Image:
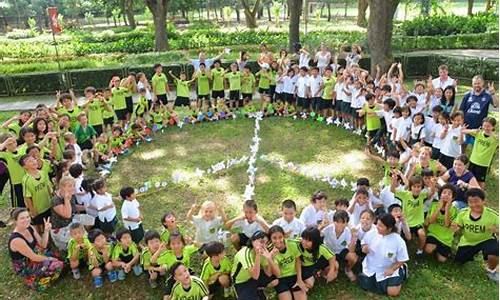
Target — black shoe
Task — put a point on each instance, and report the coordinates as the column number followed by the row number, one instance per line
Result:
column 2, row 224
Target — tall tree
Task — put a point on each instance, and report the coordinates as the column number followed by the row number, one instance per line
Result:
column 129, row 11
column 489, row 5
column 158, row 9
column 380, row 32
column 250, row 12
column 470, row 7
column 295, row 8
column 425, row 7
column 362, row 7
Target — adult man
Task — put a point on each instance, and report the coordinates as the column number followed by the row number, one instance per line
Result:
column 202, row 58
column 475, row 104
column 443, row 80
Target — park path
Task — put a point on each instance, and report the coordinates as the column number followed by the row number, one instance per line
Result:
column 14, row 103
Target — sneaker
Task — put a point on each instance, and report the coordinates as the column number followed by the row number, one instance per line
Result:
column 137, row 270
column 492, row 275
column 420, row 252
column 153, row 284
column 121, row 275
column 336, row 122
column 350, row 275
column 112, row 276
column 76, row 274
column 98, row 282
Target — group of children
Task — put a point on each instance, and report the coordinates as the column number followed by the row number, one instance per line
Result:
column 54, row 146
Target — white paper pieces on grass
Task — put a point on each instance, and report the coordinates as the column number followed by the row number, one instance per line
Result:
column 309, row 172
column 254, row 148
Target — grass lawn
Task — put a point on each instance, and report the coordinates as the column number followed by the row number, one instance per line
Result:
column 328, row 150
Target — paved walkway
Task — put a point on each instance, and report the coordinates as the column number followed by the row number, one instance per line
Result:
column 478, row 53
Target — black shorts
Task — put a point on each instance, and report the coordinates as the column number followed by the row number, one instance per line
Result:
column 303, row 102
column 414, row 229
column 249, row 290
column 354, row 113
column 38, row 220
column 315, row 101
column 278, row 96
column 109, row 121
column 162, row 99
column 435, row 153
column 234, row 95
column 247, row 96
column 87, row 145
column 107, row 226
column 338, row 105
column 325, row 104
column 441, row 248
column 263, row 91
column 346, row 108
column 478, row 171
column 446, row 161
column 218, row 94
column 130, row 104
column 98, row 129
column 380, row 287
column 204, row 97
column 310, row 271
column 181, row 101
column 286, row 284
column 467, row 253
column 340, row 257
column 243, row 239
column 272, row 90
column 372, row 133
column 137, row 234
column 289, row 98
column 121, row 114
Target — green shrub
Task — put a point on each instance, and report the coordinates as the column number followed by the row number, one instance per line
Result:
column 18, row 34
column 463, row 41
column 37, row 83
column 450, row 24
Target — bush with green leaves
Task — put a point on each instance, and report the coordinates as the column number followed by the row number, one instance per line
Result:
column 443, row 25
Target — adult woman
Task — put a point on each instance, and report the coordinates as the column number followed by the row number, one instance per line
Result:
column 284, row 60
column 28, row 255
column 253, row 267
column 354, row 56
column 242, row 61
column 322, row 58
column 425, row 162
column 143, row 83
column 63, row 209
column 448, row 100
column 384, row 268
column 461, row 178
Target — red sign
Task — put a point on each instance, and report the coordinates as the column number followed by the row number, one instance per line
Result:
column 54, row 24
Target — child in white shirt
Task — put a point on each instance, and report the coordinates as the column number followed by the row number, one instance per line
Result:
column 106, row 210
column 360, row 203
column 131, row 214
column 452, row 140
column 292, row 226
column 317, row 212
column 246, row 224
column 207, row 223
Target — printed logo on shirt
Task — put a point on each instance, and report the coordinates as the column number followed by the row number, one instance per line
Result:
column 212, row 230
column 344, row 243
column 475, row 228
column 475, row 108
column 390, row 254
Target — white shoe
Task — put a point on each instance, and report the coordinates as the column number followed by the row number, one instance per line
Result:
column 336, row 122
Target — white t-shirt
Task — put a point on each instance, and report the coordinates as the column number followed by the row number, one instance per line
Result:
column 372, row 199
column 130, row 209
column 346, row 98
column 141, row 85
column 361, row 234
column 356, row 212
column 100, row 201
column 207, row 231
column 450, row 146
column 279, row 84
column 384, row 252
column 323, row 60
column 334, row 243
column 433, row 103
column 437, row 130
column 295, row 227
column 304, row 60
column 289, row 84
column 315, row 85
column 420, row 101
column 302, row 84
column 356, row 99
column 247, row 229
column 403, row 128
column 311, row 217
column 388, row 117
column 429, row 129
column 339, row 90
column 436, row 82
column 392, row 126
column 417, row 131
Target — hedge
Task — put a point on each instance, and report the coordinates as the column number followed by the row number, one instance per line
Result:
column 47, row 83
column 462, row 41
column 450, row 24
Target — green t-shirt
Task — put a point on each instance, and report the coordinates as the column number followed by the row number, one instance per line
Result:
column 39, row 190
column 286, row 260
column 157, row 117
column 158, row 83
column 208, row 271
column 165, row 234
column 244, row 260
column 102, row 148
column 307, row 257
column 484, row 149
column 476, row 231
column 432, row 166
column 203, row 83
column 73, row 114
column 83, row 252
column 16, row 171
column 218, row 79
column 142, row 106
column 116, row 142
column 106, row 114
column 182, row 88
column 168, row 258
column 234, row 80
column 84, row 134
column 118, row 98
column 119, row 252
column 15, row 128
column 146, row 258
column 438, row 229
column 98, row 255
column 413, row 207
column 329, row 84
column 372, row 122
column 264, row 79
column 196, row 291
column 96, row 109
column 247, row 83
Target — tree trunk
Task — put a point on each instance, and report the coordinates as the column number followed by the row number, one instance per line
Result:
column 260, row 12
column 489, row 5
column 268, row 10
column 114, row 21
column 221, row 13
column 250, row 13
column 159, row 10
column 295, row 7
column 237, row 10
column 380, row 33
column 183, row 13
column 129, row 10
column 329, row 11
column 215, row 13
column 362, row 7
column 470, row 7
column 345, row 8
column 425, row 8
column 18, row 14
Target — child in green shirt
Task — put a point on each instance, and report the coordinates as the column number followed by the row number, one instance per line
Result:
column 155, row 248
column 234, row 78
column 99, row 258
column 216, row 270
column 182, row 89
column 102, row 150
column 186, row 286
column 78, row 247
column 265, row 79
column 203, row 77
column 94, row 108
column 159, row 83
column 125, row 255
column 247, row 85
column 217, row 82
column 85, row 134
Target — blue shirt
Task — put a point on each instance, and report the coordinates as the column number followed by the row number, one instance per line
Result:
column 475, row 108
